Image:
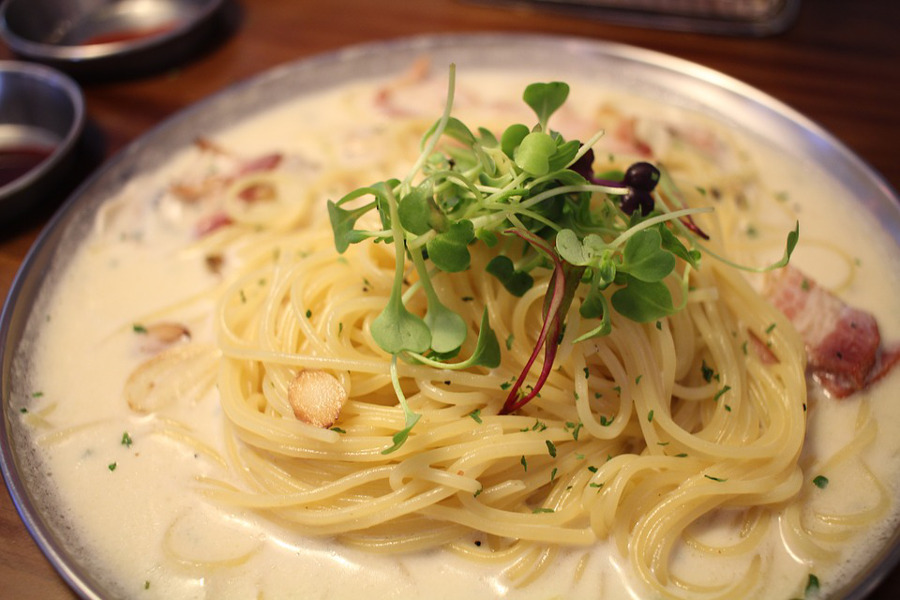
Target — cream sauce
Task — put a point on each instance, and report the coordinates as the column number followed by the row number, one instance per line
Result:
column 136, row 507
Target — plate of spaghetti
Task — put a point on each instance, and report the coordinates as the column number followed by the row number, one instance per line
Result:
column 465, row 316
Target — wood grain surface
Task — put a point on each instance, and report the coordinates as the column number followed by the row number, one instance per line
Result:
column 839, row 64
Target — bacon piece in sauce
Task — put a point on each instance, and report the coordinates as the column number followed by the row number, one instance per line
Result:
column 192, row 192
column 266, row 162
column 385, row 97
column 210, row 223
column 843, row 343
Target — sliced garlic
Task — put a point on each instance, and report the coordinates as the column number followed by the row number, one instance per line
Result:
column 317, row 397
column 182, row 372
column 161, row 335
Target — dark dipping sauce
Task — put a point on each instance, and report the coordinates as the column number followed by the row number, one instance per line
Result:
column 129, row 34
column 16, row 161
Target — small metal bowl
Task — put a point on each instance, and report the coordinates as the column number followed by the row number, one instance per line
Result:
column 42, row 118
column 109, row 38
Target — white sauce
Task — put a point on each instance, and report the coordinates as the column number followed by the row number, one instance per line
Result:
column 136, row 262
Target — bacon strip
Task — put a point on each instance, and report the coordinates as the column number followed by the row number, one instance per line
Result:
column 843, row 343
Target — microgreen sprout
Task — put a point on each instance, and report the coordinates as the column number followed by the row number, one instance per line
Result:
column 625, row 239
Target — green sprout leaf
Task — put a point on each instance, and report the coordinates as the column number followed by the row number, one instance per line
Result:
column 343, row 223
column 448, row 329
column 396, row 329
column 512, row 137
column 674, row 245
column 643, row 301
column 595, row 306
column 570, row 248
column 458, row 130
column 792, row 238
column 449, row 250
column 515, row 282
column 644, row 257
column 487, row 348
column 411, row 417
column 534, row 152
column 565, row 153
column 545, row 99
column 415, row 210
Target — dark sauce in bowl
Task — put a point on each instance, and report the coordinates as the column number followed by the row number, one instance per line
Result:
column 16, row 161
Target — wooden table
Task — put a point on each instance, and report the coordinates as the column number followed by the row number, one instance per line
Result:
column 839, row 64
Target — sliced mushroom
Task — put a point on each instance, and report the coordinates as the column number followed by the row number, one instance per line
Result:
column 317, row 397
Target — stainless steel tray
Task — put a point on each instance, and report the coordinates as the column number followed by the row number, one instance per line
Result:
column 639, row 71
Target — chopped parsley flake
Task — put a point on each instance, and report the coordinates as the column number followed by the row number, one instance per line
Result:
column 821, row 482
column 576, row 429
column 650, row 417
column 524, row 462
column 706, row 371
column 719, row 479
column 112, row 466
column 812, row 584
column 126, row 440
column 542, row 510
column 721, row 392
column 138, row 328
column 551, row 448
column 476, row 415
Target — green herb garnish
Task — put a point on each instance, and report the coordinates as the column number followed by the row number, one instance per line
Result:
column 532, row 197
